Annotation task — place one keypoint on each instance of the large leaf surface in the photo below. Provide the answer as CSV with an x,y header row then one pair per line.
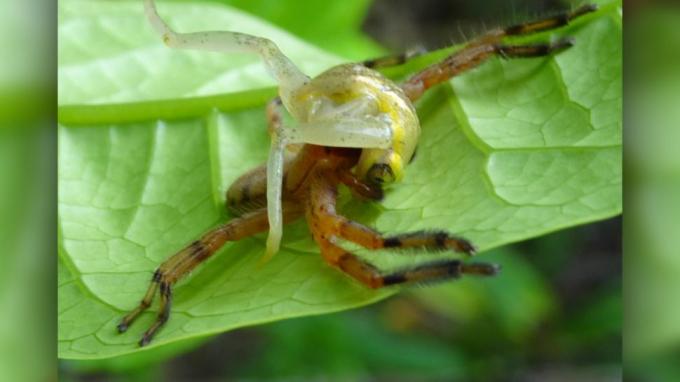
x,y
512,150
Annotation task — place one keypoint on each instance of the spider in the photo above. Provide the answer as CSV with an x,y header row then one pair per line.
x,y
355,128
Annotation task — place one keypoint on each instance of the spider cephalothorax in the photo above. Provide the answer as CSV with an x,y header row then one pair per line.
x,y
357,129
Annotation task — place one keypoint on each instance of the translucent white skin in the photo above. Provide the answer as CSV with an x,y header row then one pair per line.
x,y
351,124
279,66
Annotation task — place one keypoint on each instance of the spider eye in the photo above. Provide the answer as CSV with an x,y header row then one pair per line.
x,y
380,173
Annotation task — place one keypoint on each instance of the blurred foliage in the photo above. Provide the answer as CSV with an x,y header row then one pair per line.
x,y
26,193
26,275
652,261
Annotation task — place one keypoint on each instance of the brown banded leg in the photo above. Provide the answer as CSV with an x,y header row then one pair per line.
x,y
322,221
326,225
322,207
489,45
434,240
189,258
370,276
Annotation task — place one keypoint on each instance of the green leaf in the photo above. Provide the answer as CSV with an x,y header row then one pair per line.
x,y
510,151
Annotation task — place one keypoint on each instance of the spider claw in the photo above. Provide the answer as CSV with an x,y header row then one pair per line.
x,y
122,327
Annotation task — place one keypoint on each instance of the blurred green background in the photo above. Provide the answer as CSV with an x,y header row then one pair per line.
x,y
652,189
549,317
27,191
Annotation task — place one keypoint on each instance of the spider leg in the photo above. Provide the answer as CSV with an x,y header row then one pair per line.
x,y
322,208
495,34
326,226
436,240
183,262
369,275
489,45
284,71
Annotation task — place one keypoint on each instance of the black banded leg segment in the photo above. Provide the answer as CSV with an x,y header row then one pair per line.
x,y
537,50
420,240
429,241
438,271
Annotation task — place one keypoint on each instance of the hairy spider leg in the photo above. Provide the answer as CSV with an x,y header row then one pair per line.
x,y
323,209
489,45
182,263
326,226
